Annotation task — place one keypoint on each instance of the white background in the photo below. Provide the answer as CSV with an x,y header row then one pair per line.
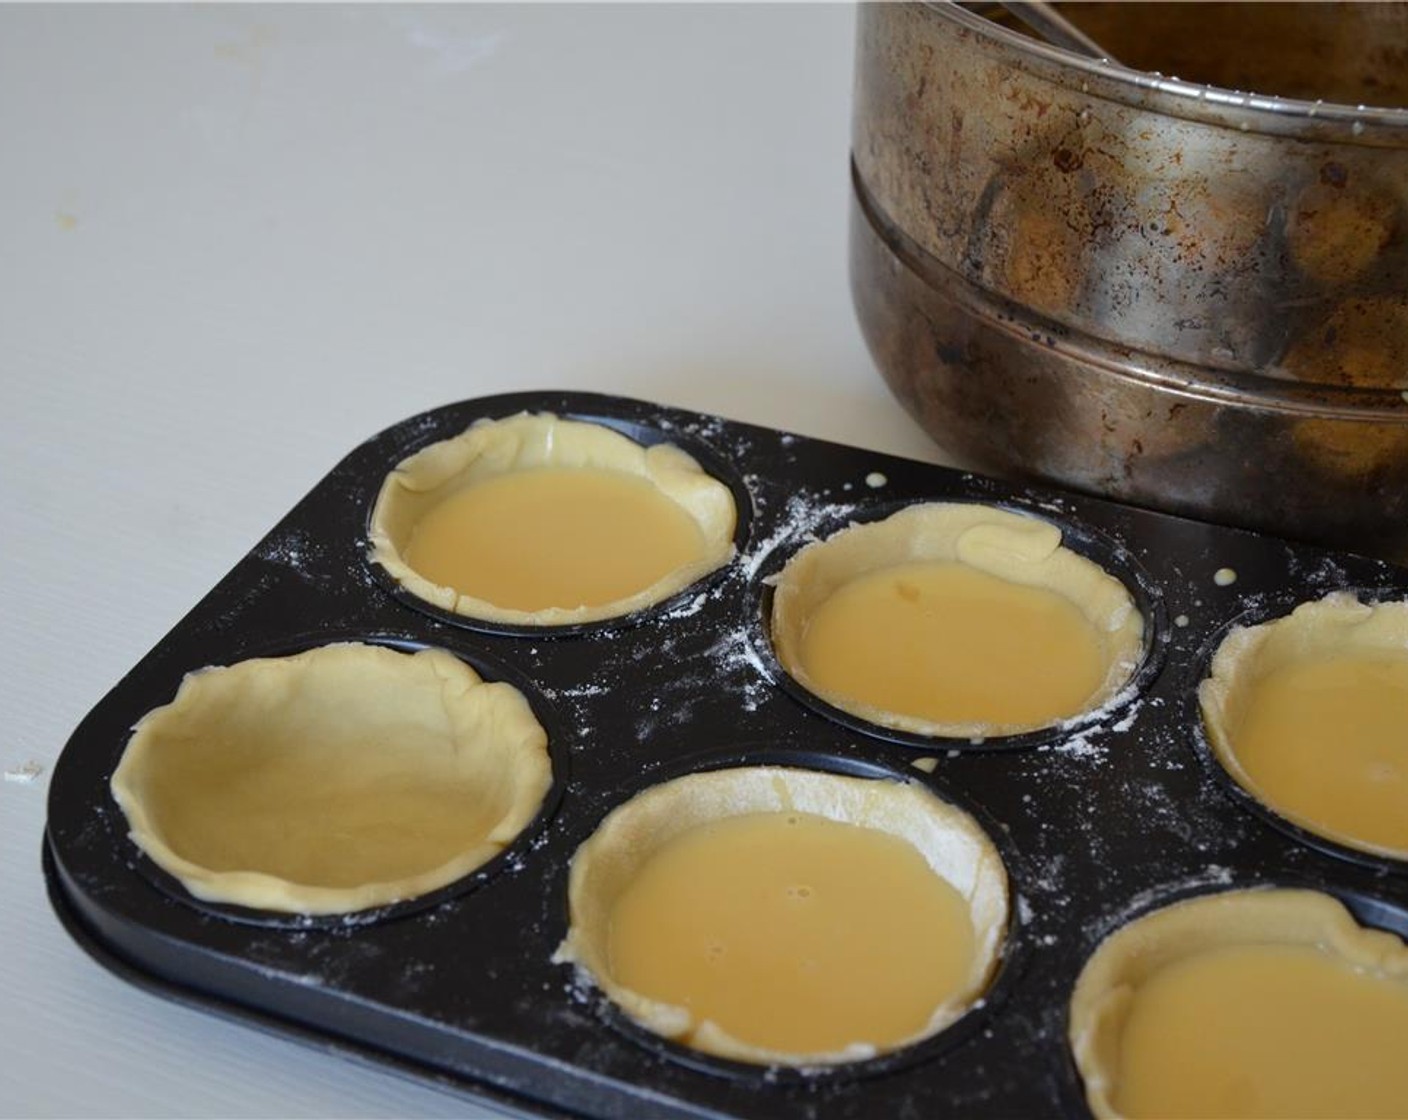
x,y
235,242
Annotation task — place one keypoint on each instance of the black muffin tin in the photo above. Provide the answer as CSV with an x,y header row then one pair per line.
x,y
1098,822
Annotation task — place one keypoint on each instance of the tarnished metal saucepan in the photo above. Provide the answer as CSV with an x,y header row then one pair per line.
x,y
1180,295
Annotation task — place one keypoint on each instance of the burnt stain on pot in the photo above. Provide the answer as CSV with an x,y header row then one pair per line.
x,y
955,134
1336,234
1356,344
1334,174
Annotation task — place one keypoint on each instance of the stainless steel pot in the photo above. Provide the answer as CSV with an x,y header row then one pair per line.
x,y
1175,294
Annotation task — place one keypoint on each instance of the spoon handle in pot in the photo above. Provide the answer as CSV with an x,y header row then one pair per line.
x,y
1051,25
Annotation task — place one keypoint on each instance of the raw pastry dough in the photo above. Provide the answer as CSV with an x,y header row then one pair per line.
x,y
1308,714
608,863
992,546
492,449
1271,998
344,777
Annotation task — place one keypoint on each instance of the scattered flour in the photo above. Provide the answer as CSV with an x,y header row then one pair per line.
x,y
25,773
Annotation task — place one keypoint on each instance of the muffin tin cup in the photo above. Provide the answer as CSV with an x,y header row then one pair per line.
x,y
462,990
488,668
1371,909
799,755
1268,609
1093,545
645,434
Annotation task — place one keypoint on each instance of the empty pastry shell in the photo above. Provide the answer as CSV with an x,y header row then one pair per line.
x,y
341,778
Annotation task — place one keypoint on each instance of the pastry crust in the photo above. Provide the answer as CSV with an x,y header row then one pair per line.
x,y
951,842
490,448
341,778
1013,547
1337,625
1106,989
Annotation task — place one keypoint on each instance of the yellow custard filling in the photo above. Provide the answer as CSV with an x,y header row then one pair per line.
x,y
949,643
1268,1002
1326,744
554,537
793,933
535,520
1264,1031
1309,713
955,619
787,916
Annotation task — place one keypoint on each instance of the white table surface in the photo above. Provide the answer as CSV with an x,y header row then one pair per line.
x,y
236,241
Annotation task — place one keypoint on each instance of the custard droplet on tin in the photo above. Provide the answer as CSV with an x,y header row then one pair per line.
x,y
1224,577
